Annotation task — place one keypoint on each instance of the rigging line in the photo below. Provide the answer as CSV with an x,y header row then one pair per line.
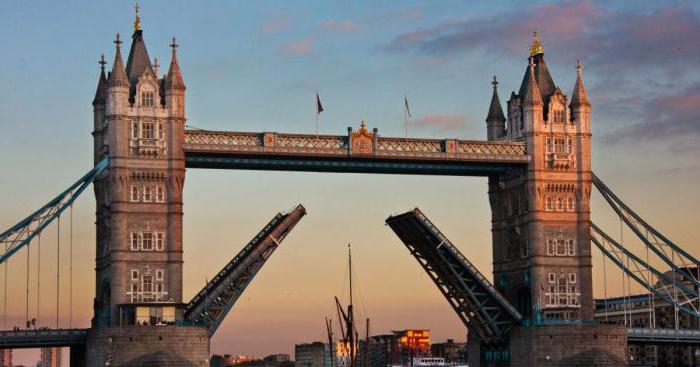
x,y
70,274
58,267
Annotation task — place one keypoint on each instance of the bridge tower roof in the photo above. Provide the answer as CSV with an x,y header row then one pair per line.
x,y
542,76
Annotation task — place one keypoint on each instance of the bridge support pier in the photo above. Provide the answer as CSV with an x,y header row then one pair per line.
x,y
153,346
557,346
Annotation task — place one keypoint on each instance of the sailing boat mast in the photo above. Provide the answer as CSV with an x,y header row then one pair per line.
x,y
329,329
352,331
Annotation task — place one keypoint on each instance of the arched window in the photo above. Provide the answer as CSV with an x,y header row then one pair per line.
x,y
147,99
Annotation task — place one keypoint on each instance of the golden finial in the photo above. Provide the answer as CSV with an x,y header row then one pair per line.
x,y
536,47
137,22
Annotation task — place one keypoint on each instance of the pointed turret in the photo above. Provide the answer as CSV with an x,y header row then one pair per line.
x,y
579,97
138,62
541,72
495,120
531,93
101,92
117,77
173,80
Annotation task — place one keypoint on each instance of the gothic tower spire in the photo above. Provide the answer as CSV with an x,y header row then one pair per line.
x,y
101,92
495,120
531,94
137,20
579,96
118,75
174,78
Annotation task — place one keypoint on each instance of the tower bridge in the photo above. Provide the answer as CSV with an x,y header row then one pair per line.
x,y
538,162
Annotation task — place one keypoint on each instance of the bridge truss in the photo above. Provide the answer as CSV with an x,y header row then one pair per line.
x,y
475,300
211,305
678,287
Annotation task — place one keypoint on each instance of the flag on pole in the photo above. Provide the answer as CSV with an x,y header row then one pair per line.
x,y
319,107
405,102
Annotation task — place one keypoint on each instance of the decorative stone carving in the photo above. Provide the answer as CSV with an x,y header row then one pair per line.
x,y
362,141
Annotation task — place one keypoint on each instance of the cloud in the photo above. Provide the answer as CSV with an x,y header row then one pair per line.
x,y
672,119
276,25
340,25
442,122
298,47
622,40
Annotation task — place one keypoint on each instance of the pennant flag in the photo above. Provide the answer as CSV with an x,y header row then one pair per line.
x,y
405,102
319,107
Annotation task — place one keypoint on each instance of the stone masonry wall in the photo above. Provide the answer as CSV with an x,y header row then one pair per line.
x,y
152,346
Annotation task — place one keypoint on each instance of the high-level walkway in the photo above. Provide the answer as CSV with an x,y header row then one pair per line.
x,y
360,151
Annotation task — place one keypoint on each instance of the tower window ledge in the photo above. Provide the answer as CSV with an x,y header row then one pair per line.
x,y
561,160
148,145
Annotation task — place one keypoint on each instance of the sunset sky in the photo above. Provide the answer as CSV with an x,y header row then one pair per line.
x,y
256,66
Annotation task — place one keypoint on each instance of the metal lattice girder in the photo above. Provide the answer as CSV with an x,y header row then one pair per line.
x,y
215,300
23,232
675,293
678,259
471,295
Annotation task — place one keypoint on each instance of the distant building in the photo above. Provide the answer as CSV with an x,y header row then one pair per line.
x,y
50,357
311,355
5,357
279,358
217,361
451,351
397,348
648,311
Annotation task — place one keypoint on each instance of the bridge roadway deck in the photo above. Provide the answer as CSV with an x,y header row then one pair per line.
x,y
359,151
663,336
42,338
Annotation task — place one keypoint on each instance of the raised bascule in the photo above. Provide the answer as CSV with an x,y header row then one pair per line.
x,y
538,164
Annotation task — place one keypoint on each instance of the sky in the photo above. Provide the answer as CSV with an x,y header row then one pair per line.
x,y
256,66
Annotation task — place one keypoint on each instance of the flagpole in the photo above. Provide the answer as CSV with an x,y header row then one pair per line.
x,y
316,104
405,117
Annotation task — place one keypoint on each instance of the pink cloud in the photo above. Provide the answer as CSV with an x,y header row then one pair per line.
x,y
277,24
340,25
442,122
298,47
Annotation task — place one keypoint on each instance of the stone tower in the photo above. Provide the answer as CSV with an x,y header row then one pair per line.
x,y
541,229
139,122
540,216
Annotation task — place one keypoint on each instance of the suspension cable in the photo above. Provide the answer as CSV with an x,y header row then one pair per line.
x,y
605,289
26,301
38,278
58,267
624,293
4,301
652,313
70,274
